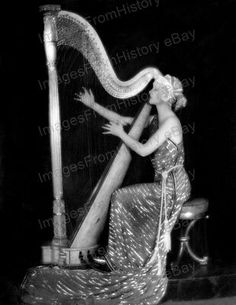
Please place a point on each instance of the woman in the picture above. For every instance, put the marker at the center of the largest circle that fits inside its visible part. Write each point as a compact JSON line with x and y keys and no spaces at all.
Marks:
{"x":141,"y":216}
{"x":166,"y":147}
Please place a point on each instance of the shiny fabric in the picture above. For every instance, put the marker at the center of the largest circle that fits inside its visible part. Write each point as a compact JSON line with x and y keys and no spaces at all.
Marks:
{"x":137,"y":256}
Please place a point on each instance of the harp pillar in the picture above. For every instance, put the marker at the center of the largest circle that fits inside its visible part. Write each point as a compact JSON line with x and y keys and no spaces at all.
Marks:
{"x":50,"y":41}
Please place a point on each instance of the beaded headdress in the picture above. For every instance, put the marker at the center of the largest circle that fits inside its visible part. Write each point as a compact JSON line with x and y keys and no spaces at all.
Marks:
{"x":170,"y":88}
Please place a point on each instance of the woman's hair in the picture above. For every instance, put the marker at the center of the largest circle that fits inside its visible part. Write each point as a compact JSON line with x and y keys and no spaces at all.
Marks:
{"x":171,"y":89}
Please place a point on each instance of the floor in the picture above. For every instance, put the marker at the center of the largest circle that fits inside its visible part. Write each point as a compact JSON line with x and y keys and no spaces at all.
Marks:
{"x":216,"y":301}
{"x":189,"y":284}
{"x":190,"y":281}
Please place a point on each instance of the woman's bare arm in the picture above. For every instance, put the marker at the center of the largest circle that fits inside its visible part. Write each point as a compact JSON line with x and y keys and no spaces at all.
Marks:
{"x":129,"y":120}
{"x":171,"y":128}
{"x":87,"y":98}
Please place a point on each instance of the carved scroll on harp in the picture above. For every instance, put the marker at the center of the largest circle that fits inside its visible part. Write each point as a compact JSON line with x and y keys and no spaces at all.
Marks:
{"x":66,"y":28}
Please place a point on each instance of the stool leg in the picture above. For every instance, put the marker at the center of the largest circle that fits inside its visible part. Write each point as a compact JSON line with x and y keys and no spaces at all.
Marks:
{"x":183,"y":240}
{"x":202,"y":260}
{"x":181,"y":249}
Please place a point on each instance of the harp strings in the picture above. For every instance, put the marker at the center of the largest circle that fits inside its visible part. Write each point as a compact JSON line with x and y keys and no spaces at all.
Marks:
{"x":85,"y":151}
{"x":83,"y":146}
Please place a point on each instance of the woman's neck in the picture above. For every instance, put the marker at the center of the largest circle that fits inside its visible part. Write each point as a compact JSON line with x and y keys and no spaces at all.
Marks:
{"x":163,"y":111}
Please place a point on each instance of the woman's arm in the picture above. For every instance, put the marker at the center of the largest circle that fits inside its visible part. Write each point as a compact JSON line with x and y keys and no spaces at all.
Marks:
{"x":87,"y":98}
{"x":129,"y":120}
{"x":170,"y":129}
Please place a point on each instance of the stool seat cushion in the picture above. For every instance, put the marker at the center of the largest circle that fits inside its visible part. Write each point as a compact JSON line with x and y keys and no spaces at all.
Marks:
{"x":194,"y":209}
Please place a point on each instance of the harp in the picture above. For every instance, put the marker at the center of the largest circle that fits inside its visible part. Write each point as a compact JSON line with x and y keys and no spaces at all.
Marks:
{"x":63,"y":28}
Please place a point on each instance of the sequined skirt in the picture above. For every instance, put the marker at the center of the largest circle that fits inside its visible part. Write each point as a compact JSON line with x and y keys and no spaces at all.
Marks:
{"x":132,"y":234}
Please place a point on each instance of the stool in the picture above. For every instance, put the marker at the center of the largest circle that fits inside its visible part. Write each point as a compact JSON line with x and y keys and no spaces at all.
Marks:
{"x":192,"y":210}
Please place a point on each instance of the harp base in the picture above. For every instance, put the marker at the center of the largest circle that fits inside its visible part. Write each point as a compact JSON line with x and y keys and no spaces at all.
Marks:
{"x":60,"y":242}
{"x":67,"y":257}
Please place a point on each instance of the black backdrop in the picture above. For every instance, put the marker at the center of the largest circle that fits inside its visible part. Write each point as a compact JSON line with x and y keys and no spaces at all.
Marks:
{"x":211,"y":112}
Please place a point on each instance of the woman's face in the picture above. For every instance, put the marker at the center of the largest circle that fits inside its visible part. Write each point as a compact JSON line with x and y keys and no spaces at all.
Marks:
{"x":159,"y":95}
{"x":154,"y":97}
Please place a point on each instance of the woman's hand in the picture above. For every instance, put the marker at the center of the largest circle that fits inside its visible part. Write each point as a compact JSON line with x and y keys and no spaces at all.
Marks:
{"x":124,"y":120}
{"x":114,"y":129}
{"x":86,"y":97}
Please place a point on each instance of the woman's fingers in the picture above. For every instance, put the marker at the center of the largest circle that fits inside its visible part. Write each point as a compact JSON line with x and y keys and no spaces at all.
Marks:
{"x":79,"y":95}
{"x":107,"y":124}
{"x":77,"y":98}
{"x":106,"y":132}
{"x":84,"y":91}
{"x":106,"y":127}
{"x":82,"y":96}
{"x":91,"y":93}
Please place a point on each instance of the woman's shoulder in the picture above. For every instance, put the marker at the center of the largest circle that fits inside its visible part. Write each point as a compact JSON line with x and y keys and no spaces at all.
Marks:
{"x":172,"y":128}
{"x":171,"y":119}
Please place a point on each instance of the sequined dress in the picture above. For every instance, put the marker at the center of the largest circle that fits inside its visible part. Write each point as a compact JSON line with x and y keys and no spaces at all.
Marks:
{"x":136,"y":244}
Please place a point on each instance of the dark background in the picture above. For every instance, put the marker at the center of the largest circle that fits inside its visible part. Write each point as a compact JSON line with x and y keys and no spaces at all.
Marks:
{"x":210,"y":150}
